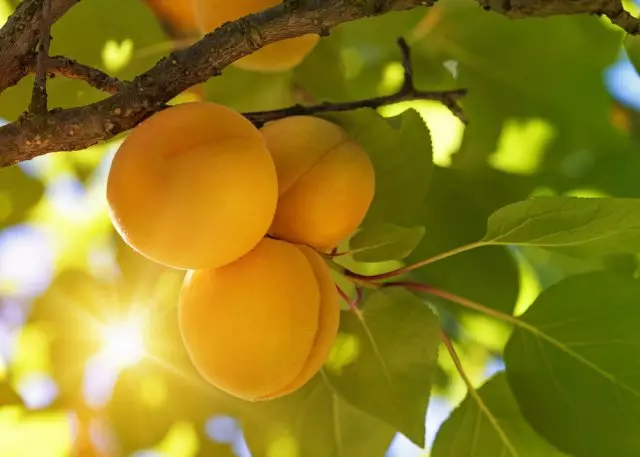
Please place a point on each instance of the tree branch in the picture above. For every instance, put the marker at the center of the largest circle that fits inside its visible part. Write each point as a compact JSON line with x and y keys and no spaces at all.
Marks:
{"x":78,"y":128}
{"x":69,"y":68}
{"x":407,"y":92}
{"x":518,"y":9}
{"x":19,"y":36}
{"x":39,"y":95}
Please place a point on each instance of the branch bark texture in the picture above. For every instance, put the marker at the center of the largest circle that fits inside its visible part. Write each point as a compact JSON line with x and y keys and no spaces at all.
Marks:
{"x":78,"y":128}
{"x":36,"y":134}
{"x":21,"y":33}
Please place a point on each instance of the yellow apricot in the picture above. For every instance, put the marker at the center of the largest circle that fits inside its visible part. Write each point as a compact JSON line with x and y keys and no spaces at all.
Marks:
{"x":180,"y":14}
{"x":280,"y":56}
{"x":193,"y":187}
{"x":262,"y":326}
{"x":326,"y":181}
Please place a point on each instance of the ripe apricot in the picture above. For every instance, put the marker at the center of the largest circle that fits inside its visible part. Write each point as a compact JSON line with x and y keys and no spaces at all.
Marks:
{"x":180,"y":14}
{"x":280,"y":56}
{"x":193,"y":186}
{"x":261,"y":327}
{"x":326,"y":181}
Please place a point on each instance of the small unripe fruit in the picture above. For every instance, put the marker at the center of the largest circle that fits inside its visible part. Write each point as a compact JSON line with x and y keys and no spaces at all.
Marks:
{"x":193,"y":187}
{"x":261,"y":327}
{"x":280,"y":56}
{"x":326,"y":181}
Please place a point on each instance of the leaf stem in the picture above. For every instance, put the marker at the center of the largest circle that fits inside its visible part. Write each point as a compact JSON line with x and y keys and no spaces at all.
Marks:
{"x":352,"y":302}
{"x":408,"y":268}
{"x":465,"y":302}
{"x":474,"y":393}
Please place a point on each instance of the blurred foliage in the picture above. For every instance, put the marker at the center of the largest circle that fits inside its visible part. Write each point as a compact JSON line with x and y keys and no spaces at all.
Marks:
{"x":542,"y":121}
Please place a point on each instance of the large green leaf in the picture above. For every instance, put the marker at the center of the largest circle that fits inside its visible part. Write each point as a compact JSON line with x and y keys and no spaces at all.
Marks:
{"x":384,"y":361}
{"x":601,"y":225}
{"x":572,"y":363}
{"x":378,"y":243}
{"x":401,"y":152}
{"x":538,"y":69}
{"x":490,"y":425}
{"x":313,"y":422}
{"x":454,"y":213}
{"x":353,"y":62}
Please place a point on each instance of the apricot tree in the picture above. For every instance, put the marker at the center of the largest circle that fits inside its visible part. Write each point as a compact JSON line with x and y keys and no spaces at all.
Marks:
{"x":319,"y":228}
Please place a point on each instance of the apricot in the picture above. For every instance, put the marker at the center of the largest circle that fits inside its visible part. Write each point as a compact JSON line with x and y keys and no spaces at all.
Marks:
{"x":261,"y":327}
{"x":193,"y":187}
{"x":179,"y":13}
{"x":326,"y":181}
{"x":280,"y":56}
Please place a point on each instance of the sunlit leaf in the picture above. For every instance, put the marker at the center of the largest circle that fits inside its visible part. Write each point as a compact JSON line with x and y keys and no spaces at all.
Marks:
{"x":392,"y":144}
{"x":313,"y":422}
{"x":572,"y":365}
{"x":382,"y":242}
{"x":493,"y":428}
{"x":391,"y":374}
{"x":601,"y":225}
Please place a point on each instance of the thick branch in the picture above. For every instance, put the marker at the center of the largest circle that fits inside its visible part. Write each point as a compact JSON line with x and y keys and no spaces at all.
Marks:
{"x":20,"y":35}
{"x":517,"y":9}
{"x":78,"y":128}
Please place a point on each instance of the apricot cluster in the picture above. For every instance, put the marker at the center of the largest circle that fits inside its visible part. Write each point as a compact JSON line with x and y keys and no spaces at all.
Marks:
{"x":246,"y":211}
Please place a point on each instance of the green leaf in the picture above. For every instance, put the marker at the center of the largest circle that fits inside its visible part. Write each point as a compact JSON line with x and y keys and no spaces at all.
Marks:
{"x":313,"y":422}
{"x":572,"y":363}
{"x":19,"y":192}
{"x":401,"y":152}
{"x":601,"y":225}
{"x":378,"y":243}
{"x":455,"y":213}
{"x":632,"y":46}
{"x":494,"y":429}
{"x":390,"y":374}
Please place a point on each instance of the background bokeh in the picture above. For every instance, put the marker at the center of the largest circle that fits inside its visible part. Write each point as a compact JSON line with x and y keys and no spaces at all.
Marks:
{"x":90,"y":357}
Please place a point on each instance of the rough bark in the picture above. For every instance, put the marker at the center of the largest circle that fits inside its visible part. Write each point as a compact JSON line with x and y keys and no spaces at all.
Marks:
{"x":77,"y":128}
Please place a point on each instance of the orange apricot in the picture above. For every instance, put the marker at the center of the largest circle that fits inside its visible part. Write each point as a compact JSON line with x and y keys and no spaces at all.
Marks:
{"x":261,"y":327}
{"x":179,"y":13}
{"x":193,"y":186}
{"x":280,"y":56}
{"x":326,"y":181}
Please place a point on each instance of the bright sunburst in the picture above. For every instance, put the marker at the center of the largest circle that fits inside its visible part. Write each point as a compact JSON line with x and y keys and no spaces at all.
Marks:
{"x":123,"y":343}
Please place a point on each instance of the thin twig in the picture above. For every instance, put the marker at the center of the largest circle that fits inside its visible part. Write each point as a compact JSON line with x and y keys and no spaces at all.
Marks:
{"x":407,"y":92}
{"x":482,"y":406}
{"x":69,"y":68}
{"x":446,"y":97}
{"x":39,"y":95}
